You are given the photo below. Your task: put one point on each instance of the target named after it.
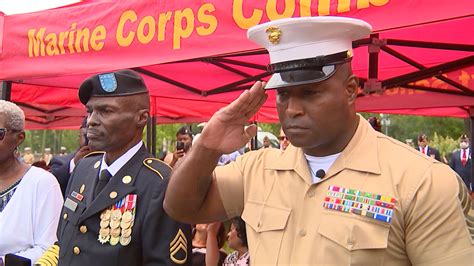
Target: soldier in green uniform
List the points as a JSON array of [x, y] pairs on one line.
[[113, 213]]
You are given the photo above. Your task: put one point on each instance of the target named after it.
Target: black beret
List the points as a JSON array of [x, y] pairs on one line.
[[118, 83]]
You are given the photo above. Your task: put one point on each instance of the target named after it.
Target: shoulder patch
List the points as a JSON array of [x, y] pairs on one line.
[[94, 153], [466, 205], [158, 166]]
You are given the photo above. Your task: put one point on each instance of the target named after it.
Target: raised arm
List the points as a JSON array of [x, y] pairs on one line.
[[192, 194]]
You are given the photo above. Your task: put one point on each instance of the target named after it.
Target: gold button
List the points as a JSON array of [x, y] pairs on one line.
[[83, 229], [76, 250], [127, 179], [149, 161], [302, 232], [65, 216], [113, 195], [81, 190], [311, 194], [97, 164]]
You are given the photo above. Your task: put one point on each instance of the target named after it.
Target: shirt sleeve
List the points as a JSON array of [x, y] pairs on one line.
[[48, 206], [438, 219], [230, 183]]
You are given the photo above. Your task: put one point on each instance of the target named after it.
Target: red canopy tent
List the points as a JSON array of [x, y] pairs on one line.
[[195, 57]]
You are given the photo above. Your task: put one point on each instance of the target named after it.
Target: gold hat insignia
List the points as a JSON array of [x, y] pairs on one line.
[[274, 34]]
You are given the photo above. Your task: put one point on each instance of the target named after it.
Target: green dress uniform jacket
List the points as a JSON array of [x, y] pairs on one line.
[[90, 232]]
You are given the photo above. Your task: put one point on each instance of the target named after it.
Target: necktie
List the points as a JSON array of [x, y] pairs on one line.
[[464, 157], [104, 178]]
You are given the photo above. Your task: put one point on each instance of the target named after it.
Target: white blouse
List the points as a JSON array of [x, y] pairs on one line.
[[29, 222]]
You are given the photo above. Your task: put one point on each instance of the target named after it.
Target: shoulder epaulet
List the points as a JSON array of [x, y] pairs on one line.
[[157, 166], [94, 153]]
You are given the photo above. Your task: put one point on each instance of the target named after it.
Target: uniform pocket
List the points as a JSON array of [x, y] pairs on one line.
[[355, 240], [266, 224]]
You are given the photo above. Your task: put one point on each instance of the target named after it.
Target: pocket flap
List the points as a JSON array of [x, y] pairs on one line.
[[353, 233], [263, 217]]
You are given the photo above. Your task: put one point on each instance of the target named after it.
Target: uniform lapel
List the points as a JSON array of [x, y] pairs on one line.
[[106, 197], [87, 177]]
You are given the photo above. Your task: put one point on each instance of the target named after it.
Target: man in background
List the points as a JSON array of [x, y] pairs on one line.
[[266, 143], [184, 141], [62, 166], [284, 141], [423, 147], [461, 161], [47, 156], [28, 157]]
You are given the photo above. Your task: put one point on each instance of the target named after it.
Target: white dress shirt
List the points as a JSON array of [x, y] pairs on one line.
[[29, 222]]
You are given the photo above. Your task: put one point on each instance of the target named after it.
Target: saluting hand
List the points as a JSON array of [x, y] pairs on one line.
[[225, 132]]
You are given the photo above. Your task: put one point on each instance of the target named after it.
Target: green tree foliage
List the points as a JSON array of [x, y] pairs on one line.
[[404, 127], [445, 145]]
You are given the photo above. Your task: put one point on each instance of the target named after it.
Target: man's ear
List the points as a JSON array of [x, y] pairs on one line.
[[352, 88], [143, 116]]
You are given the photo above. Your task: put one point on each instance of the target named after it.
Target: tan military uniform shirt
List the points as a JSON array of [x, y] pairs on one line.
[[287, 223]]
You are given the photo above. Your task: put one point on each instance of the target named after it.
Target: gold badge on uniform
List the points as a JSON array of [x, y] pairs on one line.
[[116, 222], [178, 248], [274, 34]]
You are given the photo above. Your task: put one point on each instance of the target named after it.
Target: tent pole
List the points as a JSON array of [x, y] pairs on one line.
[[6, 90], [373, 85], [254, 140], [148, 135], [471, 136], [153, 136]]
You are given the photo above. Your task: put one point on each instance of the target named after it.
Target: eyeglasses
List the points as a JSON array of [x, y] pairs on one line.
[[3, 132], [281, 138]]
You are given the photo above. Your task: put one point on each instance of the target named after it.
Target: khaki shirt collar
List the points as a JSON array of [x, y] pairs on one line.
[[361, 154]]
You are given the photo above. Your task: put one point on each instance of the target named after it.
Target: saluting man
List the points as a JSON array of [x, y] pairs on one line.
[[341, 193], [113, 213]]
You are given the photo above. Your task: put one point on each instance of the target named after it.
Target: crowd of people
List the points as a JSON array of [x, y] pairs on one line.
[[459, 159], [334, 193]]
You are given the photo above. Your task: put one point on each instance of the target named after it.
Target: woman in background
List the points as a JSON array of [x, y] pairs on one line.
[[30, 198], [236, 240]]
